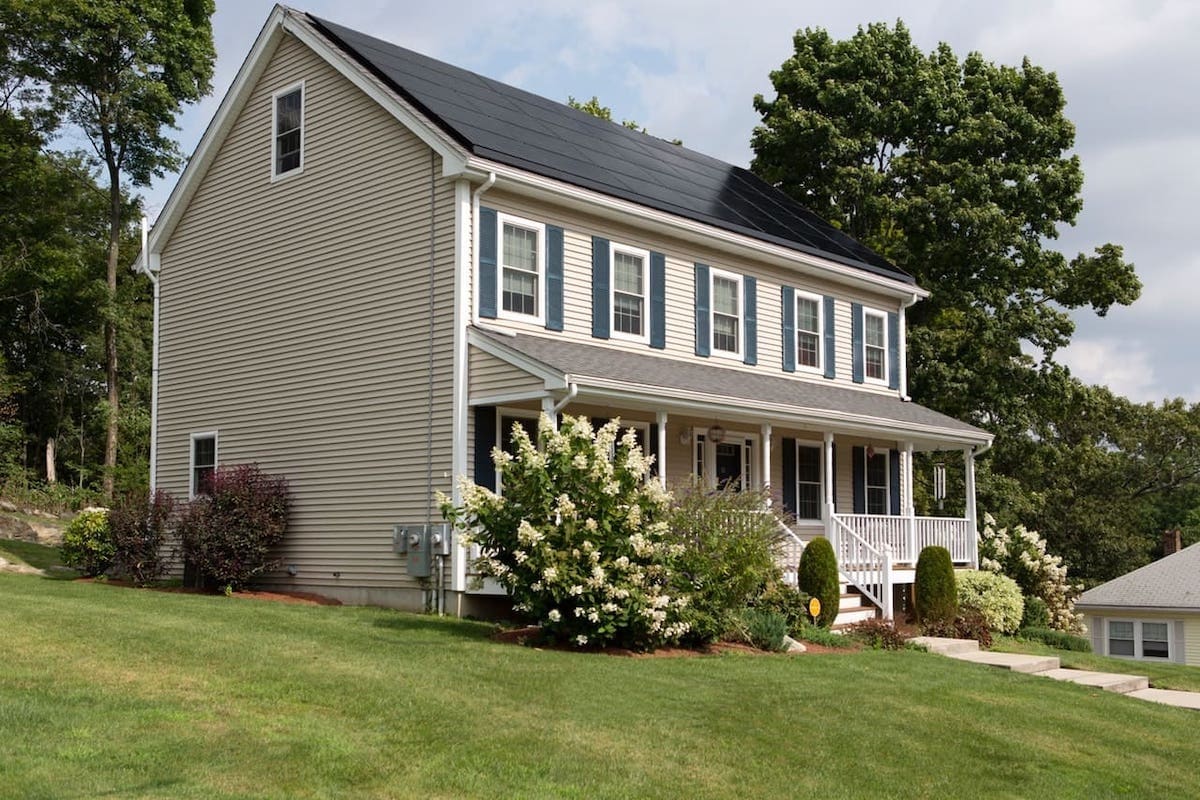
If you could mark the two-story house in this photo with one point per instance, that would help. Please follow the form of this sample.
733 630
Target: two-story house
376 263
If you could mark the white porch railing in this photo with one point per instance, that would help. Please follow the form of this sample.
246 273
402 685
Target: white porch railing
866 567
905 537
791 547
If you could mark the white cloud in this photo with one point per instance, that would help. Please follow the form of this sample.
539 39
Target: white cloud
1124 366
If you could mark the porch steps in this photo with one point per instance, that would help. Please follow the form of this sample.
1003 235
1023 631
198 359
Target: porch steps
852 608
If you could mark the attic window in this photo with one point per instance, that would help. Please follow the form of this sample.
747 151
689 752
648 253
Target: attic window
288 126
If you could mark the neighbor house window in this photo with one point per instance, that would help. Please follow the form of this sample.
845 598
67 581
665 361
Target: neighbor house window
522 267
288 117
726 313
877 482
630 288
808 481
875 345
808 330
1130 638
203 463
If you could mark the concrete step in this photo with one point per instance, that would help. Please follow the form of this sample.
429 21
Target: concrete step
849 616
1169 697
1108 681
1017 662
945 647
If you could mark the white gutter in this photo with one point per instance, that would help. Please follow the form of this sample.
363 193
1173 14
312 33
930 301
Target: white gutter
572 390
143 265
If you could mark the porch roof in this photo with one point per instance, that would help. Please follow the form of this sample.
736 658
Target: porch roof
711 387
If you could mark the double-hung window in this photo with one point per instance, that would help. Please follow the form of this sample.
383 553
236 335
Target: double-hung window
808 481
203 463
288 131
877 482
630 291
1130 638
726 313
875 345
808 330
522 268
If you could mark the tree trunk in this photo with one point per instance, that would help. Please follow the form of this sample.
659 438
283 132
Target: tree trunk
51 472
110 332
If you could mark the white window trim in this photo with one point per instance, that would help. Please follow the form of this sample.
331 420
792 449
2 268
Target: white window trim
192 457
713 274
502 434
820 448
749 460
795 344
644 255
887 481
279 176
1138 652
540 301
870 312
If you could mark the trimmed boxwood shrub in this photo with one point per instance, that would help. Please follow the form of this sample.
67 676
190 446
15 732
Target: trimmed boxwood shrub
996 597
87 542
817 577
935 588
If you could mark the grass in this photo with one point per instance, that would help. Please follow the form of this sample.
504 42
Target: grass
1162 676
109 691
35 555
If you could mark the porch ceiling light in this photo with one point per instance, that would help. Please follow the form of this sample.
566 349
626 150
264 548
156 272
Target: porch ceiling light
716 434
685 436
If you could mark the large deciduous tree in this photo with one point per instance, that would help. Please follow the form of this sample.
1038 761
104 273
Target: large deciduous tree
118 71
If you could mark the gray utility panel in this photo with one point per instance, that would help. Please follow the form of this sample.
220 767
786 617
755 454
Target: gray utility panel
421 542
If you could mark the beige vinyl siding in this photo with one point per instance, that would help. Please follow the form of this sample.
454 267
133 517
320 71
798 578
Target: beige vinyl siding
491 376
1186 651
681 256
1191 639
296 323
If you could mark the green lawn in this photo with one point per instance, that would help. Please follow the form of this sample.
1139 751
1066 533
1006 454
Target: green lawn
1162 676
35 555
108 691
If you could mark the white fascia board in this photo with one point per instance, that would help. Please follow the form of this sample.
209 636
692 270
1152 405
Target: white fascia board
538 186
551 378
283 20
1133 611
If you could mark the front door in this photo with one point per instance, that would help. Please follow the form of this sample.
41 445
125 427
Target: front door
727 463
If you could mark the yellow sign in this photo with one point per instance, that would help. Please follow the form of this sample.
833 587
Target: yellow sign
814 608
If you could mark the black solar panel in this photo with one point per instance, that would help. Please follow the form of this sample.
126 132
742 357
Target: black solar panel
520 129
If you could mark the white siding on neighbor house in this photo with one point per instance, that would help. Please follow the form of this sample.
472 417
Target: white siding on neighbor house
681 257
296 322
1185 630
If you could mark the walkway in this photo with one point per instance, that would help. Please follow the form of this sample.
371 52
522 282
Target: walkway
1049 667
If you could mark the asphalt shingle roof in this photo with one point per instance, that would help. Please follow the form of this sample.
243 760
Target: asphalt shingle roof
514 127
581 361
1170 582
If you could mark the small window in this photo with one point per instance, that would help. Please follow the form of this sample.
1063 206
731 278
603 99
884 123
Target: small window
288 145
1154 640
877 483
726 313
808 482
522 267
875 345
203 463
1120 638
808 331
630 288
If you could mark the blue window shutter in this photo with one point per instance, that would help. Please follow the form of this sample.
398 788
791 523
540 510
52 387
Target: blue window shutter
789 476
703 337
750 323
485 440
600 278
788 307
830 340
554 278
894 351
856 340
894 489
658 301
859 475
487 263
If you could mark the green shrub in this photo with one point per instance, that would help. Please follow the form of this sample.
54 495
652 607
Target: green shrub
1021 554
727 555
807 632
817 577
970 625
878 634
765 629
786 600
579 539
87 542
228 534
996 597
1057 639
1037 614
138 527
934 586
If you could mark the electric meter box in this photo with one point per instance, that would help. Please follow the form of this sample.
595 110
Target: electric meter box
421 542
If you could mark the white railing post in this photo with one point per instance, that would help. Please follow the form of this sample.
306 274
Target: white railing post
886 589
911 524
969 458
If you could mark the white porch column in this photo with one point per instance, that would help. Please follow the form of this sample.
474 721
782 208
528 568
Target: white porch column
661 418
766 460
829 505
969 462
548 410
908 508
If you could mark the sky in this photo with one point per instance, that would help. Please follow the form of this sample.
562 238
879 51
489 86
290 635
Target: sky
689 69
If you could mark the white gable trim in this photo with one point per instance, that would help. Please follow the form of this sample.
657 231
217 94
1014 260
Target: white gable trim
283 20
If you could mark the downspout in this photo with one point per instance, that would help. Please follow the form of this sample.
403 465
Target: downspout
144 267
903 365
572 390
431 311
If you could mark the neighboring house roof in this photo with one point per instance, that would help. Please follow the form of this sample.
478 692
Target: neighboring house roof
594 365
1171 582
519 129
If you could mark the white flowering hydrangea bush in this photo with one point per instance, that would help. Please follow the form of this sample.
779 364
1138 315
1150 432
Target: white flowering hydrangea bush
579 536
996 597
1021 554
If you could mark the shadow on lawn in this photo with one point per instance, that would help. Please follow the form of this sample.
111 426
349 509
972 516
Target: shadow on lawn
444 626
